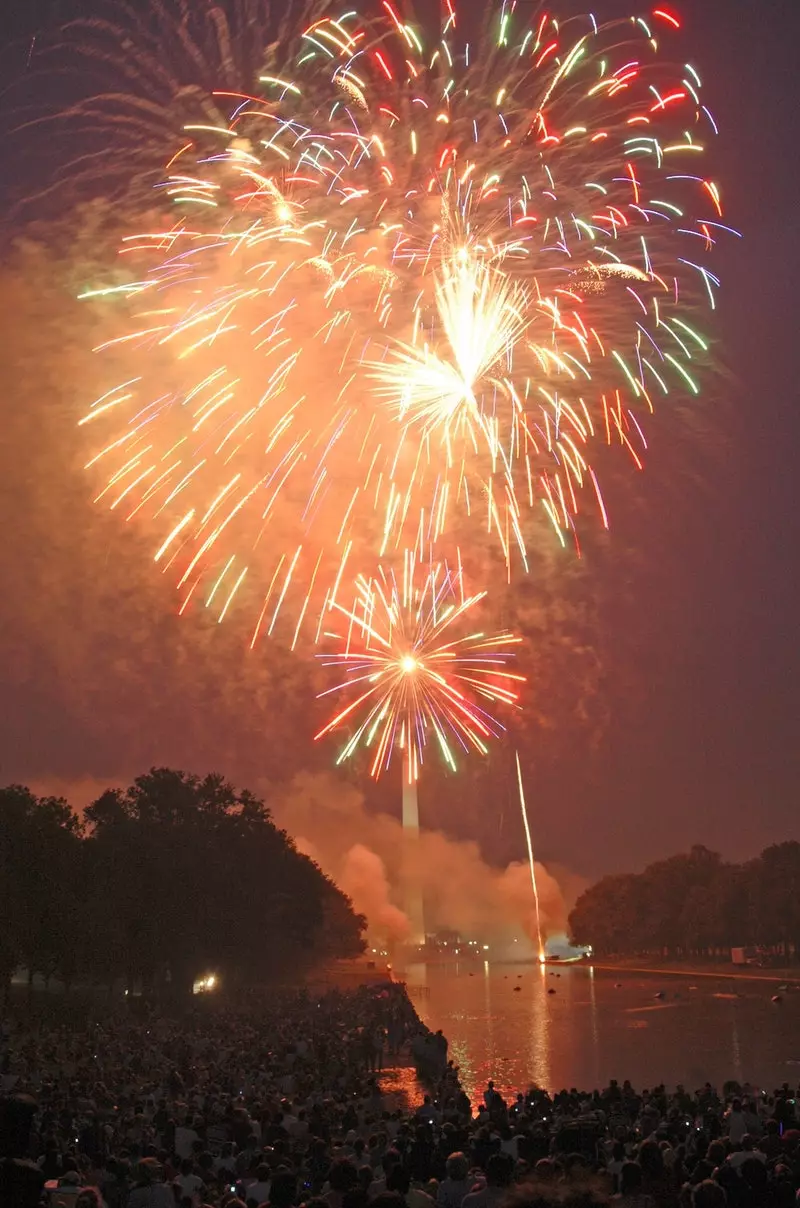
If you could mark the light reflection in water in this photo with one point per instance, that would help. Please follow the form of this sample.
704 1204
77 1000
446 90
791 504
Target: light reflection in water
735 1047
601 1025
490 1058
595 1033
539 1059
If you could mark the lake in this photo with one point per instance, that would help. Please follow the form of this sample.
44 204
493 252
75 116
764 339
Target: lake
502 1023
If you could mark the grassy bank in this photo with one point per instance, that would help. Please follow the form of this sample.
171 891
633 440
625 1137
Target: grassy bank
347 974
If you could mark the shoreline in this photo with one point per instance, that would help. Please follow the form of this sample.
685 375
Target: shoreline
725 973
349 974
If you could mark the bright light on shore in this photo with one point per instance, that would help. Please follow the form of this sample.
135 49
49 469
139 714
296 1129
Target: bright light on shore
204 984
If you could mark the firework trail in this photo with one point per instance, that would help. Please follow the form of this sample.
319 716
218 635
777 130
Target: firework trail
529 845
404 291
417 675
133 76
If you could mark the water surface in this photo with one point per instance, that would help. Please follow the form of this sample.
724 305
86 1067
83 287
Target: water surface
503 1024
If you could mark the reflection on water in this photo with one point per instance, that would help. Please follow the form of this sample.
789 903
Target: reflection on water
400 1087
539 1029
580 1026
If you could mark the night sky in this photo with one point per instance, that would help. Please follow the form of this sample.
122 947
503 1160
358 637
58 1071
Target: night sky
701 670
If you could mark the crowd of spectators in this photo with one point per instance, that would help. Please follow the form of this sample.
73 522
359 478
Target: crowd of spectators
284 1106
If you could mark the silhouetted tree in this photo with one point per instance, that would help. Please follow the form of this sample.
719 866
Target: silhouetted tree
776 894
165 879
695 903
39 846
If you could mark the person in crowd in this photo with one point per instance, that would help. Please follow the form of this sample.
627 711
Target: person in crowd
456 1184
399 1180
259 1188
188 1182
150 1189
631 1187
736 1122
499 1172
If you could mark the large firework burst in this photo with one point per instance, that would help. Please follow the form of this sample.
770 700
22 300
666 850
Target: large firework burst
405 289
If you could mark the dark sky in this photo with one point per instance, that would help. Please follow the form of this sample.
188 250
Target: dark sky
702 741
716 759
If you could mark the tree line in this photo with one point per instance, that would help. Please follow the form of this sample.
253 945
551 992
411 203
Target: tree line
158 883
695 904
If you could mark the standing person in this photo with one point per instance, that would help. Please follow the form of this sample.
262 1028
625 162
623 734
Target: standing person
150 1190
378 1038
399 1180
258 1189
656 1178
114 1183
631 1188
185 1136
615 1163
366 1046
390 1159
427 1112
499 1172
283 1192
396 1032
737 1123
342 1177
456 1183
188 1182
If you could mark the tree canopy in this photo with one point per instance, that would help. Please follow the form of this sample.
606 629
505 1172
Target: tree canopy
159 882
695 903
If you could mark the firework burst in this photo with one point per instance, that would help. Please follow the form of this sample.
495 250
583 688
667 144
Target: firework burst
483 315
418 672
405 289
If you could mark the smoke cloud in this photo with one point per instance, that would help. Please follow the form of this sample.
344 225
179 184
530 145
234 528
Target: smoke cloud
362 876
362 852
